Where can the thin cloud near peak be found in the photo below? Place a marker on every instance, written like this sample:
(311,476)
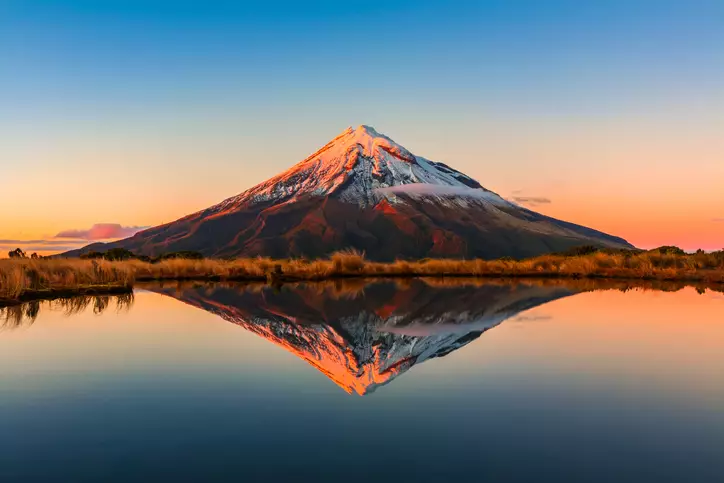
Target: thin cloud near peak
(101,231)
(531,200)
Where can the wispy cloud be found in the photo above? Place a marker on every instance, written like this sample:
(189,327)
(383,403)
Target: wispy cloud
(530,200)
(101,231)
(46,243)
(43,246)
(71,239)
(531,318)
(718,220)
(424,189)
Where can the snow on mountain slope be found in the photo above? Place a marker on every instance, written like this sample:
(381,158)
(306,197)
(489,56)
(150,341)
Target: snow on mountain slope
(364,191)
(356,167)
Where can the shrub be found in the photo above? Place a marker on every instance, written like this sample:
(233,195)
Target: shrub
(185,255)
(118,254)
(17,253)
(580,251)
(669,250)
(93,255)
(349,260)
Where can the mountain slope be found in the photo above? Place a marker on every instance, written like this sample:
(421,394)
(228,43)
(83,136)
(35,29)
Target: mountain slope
(365,191)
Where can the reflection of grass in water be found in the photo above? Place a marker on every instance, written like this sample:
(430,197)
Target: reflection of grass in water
(350,288)
(353,288)
(23,279)
(15,316)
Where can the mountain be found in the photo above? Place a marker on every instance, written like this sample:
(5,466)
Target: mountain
(365,191)
(365,337)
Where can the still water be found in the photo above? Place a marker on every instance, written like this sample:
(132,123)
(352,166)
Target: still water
(416,381)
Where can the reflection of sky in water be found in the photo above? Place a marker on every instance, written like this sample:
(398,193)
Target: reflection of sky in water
(595,387)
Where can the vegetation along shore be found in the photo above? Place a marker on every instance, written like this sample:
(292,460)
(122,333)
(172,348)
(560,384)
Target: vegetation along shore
(23,279)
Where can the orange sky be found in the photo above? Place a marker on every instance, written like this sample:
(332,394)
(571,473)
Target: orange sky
(613,112)
(653,182)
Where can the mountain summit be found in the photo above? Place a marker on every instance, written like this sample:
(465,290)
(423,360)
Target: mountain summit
(353,167)
(365,191)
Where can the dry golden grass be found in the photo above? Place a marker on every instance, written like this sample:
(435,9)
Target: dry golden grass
(27,278)
(20,279)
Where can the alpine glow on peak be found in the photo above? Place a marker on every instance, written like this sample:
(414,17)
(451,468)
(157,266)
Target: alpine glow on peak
(362,190)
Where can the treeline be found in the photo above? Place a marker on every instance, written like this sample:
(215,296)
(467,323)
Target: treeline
(19,253)
(114,254)
(121,254)
(584,250)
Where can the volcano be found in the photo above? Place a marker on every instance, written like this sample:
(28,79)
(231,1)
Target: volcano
(362,190)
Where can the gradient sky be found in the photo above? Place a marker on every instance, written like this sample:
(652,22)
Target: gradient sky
(136,113)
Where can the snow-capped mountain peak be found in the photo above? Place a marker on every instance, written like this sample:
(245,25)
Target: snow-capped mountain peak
(363,190)
(354,166)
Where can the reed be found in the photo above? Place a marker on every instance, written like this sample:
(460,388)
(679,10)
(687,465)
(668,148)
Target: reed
(36,279)
(27,279)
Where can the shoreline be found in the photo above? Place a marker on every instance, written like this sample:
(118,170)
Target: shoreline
(606,283)
(287,279)
(26,280)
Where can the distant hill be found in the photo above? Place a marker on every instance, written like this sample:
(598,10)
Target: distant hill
(365,191)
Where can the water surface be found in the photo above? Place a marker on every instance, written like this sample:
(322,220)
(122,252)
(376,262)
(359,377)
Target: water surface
(415,381)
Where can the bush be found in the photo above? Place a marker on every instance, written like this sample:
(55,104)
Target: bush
(348,260)
(580,251)
(17,253)
(121,254)
(185,255)
(92,255)
(118,254)
(669,250)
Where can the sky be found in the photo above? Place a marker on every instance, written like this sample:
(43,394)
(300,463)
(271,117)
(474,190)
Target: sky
(119,115)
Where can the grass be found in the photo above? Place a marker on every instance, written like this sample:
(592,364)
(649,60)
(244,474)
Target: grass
(25,313)
(26,279)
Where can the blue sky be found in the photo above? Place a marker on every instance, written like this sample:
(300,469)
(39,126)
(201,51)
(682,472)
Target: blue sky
(185,103)
(118,53)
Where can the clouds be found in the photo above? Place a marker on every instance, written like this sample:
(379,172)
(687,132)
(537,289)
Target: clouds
(520,198)
(72,239)
(531,318)
(101,231)
(425,189)
(432,189)
(718,220)
(41,246)
(35,242)
(531,200)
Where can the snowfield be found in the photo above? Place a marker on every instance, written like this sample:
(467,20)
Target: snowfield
(358,166)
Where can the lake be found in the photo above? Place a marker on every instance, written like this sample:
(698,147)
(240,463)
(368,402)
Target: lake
(388,381)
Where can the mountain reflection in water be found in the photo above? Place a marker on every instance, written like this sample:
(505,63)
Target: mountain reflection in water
(363,336)
(611,386)
(360,334)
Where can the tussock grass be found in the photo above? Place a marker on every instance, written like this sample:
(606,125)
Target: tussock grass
(31,278)
(23,279)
